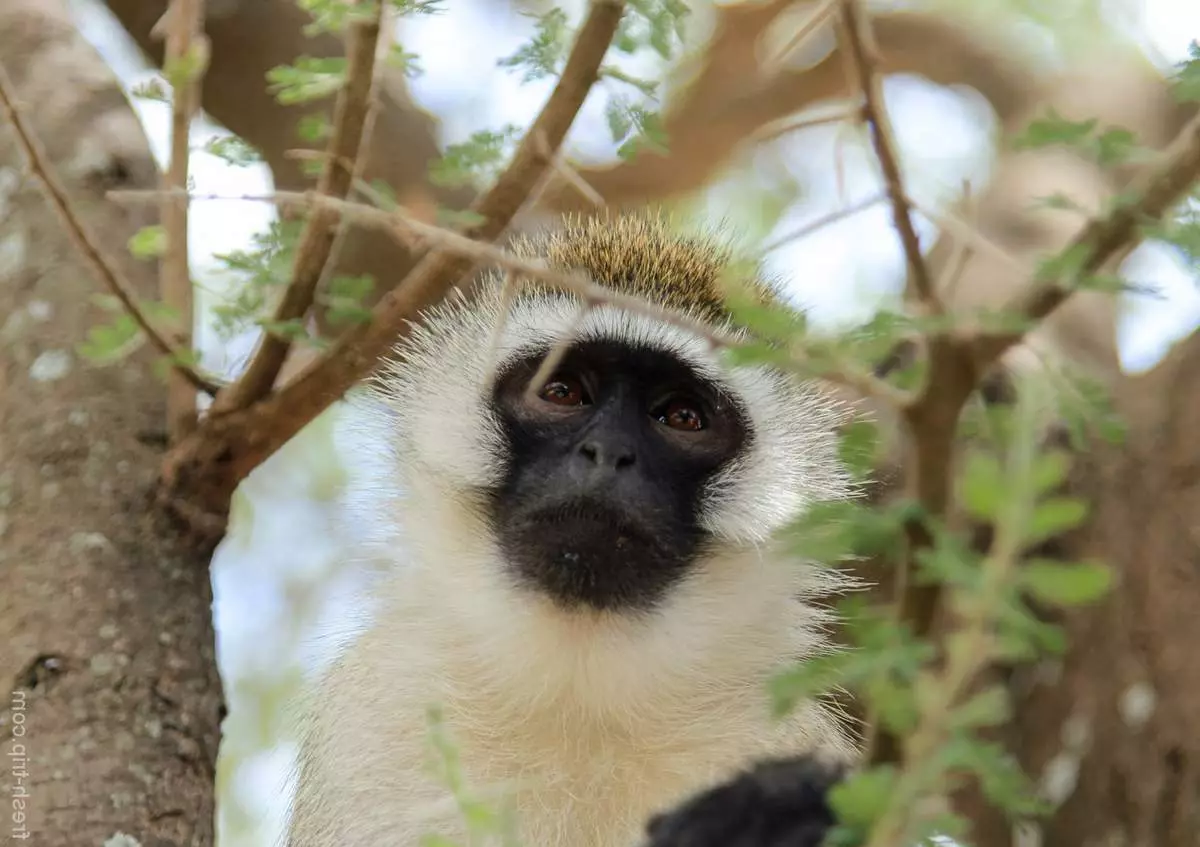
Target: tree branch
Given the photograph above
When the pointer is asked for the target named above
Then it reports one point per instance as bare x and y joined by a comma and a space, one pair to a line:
249, 38
314, 250
955, 365
40, 166
859, 43
186, 58
1159, 187
247, 437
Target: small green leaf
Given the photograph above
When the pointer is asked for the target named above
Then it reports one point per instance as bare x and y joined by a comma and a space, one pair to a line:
1054, 516
149, 242
151, 89
310, 78
111, 342
1050, 470
1066, 584
233, 150
860, 800
544, 54
989, 707
1187, 76
984, 488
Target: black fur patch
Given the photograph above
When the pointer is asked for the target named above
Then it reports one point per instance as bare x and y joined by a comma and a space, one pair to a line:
776, 803
608, 536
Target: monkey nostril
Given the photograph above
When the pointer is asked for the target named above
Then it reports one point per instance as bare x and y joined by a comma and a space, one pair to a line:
619, 457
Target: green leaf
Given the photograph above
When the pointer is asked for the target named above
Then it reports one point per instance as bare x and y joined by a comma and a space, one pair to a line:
149, 242
310, 78
478, 159
407, 63
858, 447
989, 707
233, 150
1050, 470
152, 89
860, 800
183, 70
1054, 129
805, 680
1187, 76
1114, 146
111, 342
984, 487
544, 54
1066, 584
1054, 516
314, 128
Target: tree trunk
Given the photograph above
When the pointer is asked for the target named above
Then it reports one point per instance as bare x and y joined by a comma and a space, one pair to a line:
112, 701
1110, 731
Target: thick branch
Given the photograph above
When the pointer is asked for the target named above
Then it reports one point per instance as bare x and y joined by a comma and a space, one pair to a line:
315, 247
186, 55
40, 166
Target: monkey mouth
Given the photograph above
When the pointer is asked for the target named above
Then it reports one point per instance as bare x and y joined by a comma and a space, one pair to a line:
591, 553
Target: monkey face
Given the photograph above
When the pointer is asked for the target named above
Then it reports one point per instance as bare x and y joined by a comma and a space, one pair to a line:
599, 502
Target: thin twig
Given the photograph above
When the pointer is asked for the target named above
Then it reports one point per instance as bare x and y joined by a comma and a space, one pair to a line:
554, 358
965, 231
314, 250
809, 228
961, 250
805, 30
39, 165
860, 49
1159, 187
184, 62
789, 125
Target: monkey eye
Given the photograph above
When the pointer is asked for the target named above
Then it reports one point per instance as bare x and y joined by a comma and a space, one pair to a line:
682, 413
564, 390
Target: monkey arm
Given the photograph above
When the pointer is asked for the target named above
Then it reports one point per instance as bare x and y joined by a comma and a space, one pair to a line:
775, 803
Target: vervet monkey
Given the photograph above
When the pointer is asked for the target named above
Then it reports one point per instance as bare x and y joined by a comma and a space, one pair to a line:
588, 583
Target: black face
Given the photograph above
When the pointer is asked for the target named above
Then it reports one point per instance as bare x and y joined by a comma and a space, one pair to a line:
598, 505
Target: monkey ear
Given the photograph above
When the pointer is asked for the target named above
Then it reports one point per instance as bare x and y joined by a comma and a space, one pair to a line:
775, 803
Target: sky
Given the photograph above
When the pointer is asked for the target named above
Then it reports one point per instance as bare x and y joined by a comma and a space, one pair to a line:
286, 544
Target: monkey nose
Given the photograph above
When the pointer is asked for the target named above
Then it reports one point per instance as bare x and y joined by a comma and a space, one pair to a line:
608, 454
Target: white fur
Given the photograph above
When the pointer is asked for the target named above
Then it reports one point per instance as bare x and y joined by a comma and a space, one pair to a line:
587, 723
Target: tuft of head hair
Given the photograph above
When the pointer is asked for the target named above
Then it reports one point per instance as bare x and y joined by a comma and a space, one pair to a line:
652, 257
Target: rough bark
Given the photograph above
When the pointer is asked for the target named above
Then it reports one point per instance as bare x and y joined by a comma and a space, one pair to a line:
1111, 730
106, 642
